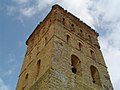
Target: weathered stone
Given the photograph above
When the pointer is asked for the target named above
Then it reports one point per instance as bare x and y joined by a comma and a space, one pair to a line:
58, 45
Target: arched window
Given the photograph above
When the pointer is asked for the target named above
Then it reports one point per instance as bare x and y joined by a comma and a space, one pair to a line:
68, 39
38, 67
26, 77
89, 37
64, 21
72, 27
80, 46
95, 75
81, 31
92, 54
24, 84
76, 65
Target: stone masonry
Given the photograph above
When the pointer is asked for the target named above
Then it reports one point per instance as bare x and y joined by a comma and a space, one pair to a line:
63, 53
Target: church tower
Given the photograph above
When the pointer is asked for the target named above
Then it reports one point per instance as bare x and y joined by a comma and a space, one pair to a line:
63, 53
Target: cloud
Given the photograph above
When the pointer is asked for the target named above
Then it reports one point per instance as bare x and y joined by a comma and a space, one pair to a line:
21, 1
9, 72
103, 15
11, 57
28, 12
3, 86
80, 9
28, 8
109, 23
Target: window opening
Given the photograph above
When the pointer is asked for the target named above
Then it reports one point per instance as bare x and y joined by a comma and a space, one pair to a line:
89, 37
76, 65
92, 54
80, 46
45, 40
72, 25
68, 39
95, 75
38, 68
26, 77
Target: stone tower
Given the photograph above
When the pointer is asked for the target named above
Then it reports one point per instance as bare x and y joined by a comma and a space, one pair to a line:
63, 53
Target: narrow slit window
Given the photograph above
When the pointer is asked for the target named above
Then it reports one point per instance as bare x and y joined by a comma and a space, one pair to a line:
45, 40
72, 27
68, 39
80, 46
26, 77
81, 32
92, 54
38, 68
89, 37
63, 20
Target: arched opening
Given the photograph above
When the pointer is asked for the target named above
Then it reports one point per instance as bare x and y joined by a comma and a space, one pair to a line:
76, 65
80, 46
24, 83
26, 77
81, 31
68, 39
72, 27
89, 37
92, 54
63, 20
38, 67
95, 75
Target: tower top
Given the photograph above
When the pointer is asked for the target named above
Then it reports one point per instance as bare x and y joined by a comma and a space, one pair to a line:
77, 21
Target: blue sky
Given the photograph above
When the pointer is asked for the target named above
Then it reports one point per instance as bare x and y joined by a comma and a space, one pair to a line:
18, 18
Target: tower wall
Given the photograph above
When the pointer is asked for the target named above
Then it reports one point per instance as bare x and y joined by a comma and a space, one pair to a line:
40, 47
63, 54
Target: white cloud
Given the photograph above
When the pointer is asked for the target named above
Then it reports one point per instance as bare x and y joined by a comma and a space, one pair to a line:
21, 1
100, 14
111, 55
80, 9
28, 12
28, 8
9, 72
3, 86
107, 17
